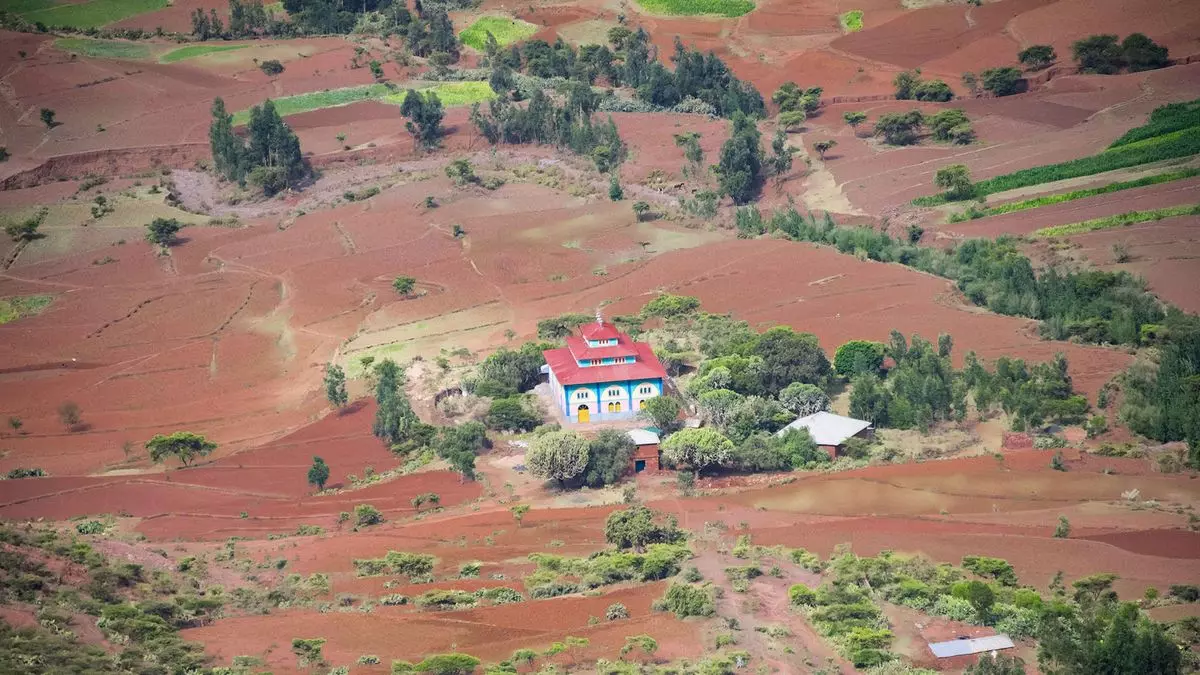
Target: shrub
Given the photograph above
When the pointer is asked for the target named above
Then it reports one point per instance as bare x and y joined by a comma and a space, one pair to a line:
899, 128
1063, 529
955, 180
993, 568
271, 67
445, 599
799, 594
553, 590
447, 664
1142, 53
616, 611
1037, 56
500, 595
1099, 54
511, 414
1002, 81
366, 515
858, 356
684, 600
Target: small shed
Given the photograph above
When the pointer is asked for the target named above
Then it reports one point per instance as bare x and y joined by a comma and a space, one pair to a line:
645, 457
831, 431
969, 646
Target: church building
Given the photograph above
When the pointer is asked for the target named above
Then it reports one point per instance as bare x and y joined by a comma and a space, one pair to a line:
603, 374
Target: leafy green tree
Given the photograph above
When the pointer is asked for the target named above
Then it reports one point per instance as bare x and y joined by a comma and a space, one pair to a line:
906, 84
70, 414
663, 412
790, 357
858, 356
366, 515
404, 285
942, 124
638, 526
697, 449
459, 446
47, 116
781, 155
518, 512
511, 414
424, 113
318, 473
394, 417
933, 90
804, 399
609, 454
692, 152
448, 664
740, 169
182, 444
1063, 529
719, 406
376, 69
899, 128
27, 229
824, 146
163, 231
335, 385
228, 151
955, 180
1099, 54
1037, 57
1142, 53
1103, 635
615, 193
979, 594
308, 651
854, 118
273, 154
869, 399
461, 172
1002, 81
640, 209
560, 456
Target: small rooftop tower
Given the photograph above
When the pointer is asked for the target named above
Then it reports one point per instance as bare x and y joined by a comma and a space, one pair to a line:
599, 317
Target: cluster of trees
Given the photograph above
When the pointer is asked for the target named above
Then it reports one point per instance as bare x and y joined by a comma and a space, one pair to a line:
424, 113
632, 62
568, 126
1089, 305
910, 87
1037, 57
1162, 400
397, 425
1003, 81
905, 128
923, 387
247, 18
271, 160
796, 104
1107, 54
570, 460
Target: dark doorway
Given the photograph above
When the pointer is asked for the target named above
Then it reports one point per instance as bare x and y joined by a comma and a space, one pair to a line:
639, 466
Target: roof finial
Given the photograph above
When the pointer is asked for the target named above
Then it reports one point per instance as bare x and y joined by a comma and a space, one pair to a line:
599, 317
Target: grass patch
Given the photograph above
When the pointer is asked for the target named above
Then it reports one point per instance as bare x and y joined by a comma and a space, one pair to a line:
104, 49
971, 214
505, 30
851, 21
1119, 220
451, 93
725, 8
192, 51
93, 14
22, 306
1164, 120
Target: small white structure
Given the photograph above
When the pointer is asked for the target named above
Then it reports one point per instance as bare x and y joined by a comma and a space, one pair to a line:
969, 646
642, 437
830, 431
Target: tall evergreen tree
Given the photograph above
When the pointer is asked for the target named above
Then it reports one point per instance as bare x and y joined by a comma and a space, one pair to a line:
227, 149
424, 113
740, 168
335, 385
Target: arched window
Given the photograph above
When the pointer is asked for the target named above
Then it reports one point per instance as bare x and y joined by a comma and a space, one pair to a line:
614, 393
582, 395
645, 390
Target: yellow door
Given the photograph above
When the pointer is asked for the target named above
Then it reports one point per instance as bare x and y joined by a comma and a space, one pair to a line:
585, 415
642, 404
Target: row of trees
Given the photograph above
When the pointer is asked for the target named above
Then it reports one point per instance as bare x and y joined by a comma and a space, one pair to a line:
569, 126
1107, 54
247, 18
271, 160
905, 128
1089, 305
923, 388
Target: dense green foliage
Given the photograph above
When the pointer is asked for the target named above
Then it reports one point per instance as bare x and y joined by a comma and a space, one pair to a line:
162, 231
91, 14
506, 372
183, 445
1091, 305
851, 21
512, 413
193, 51
740, 169
858, 356
1037, 57
1004, 81
638, 527
1103, 54
1162, 400
21, 306
415, 566
335, 385
1164, 120
899, 128
103, 49
910, 86
318, 473
684, 600
424, 113
271, 160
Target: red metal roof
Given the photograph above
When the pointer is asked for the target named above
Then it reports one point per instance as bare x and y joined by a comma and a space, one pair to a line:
599, 331
582, 352
646, 367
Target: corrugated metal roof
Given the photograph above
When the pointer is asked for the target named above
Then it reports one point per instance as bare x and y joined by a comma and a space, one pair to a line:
642, 436
970, 646
827, 428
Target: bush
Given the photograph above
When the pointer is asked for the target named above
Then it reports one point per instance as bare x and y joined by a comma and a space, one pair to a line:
511, 414
1099, 54
1037, 56
446, 599
684, 600
366, 515
993, 568
447, 664
799, 594
1142, 53
616, 611
271, 67
1002, 81
858, 356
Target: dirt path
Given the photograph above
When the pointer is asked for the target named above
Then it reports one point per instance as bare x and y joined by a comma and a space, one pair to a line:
821, 190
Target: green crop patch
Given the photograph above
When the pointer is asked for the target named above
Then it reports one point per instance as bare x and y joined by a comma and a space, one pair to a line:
193, 51
1119, 220
452, 94
1164, 120
505, 30
21, 306
725, 8
973, 212
90, 14
104, 49
851, 21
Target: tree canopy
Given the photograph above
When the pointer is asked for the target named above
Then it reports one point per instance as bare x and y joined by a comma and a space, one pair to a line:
184, 445
697, 449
